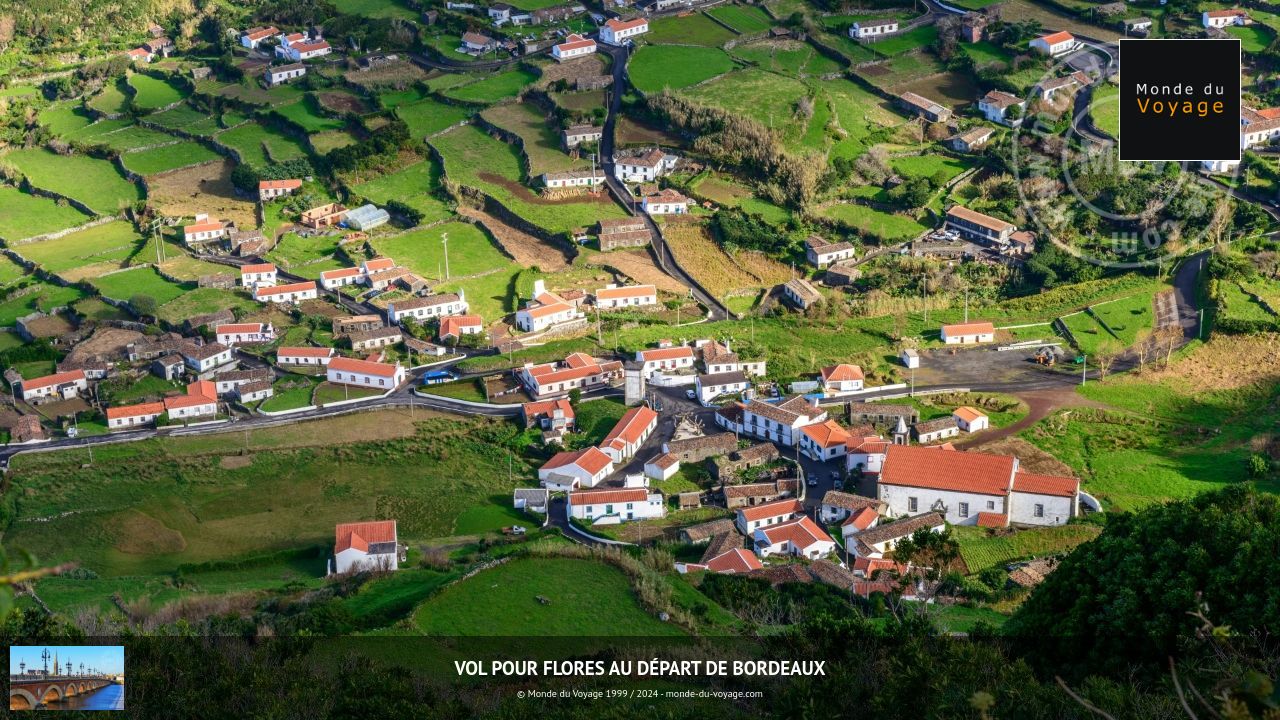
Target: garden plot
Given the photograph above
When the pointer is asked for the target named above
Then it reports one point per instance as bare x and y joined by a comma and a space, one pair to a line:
130, 137
672, 67
746, 19
377, 9
430, 116
306, 115
471, 252
24, 216
1026, 10
722, 274
581, 102
697, 29
493, 88
307, 256
541, 141
84, 253
111, 100
143, 280
326, 142
187, 119
167, 157
151, 93
202, 189
259, 145
96, 183
416, 185
726, 192
949, 88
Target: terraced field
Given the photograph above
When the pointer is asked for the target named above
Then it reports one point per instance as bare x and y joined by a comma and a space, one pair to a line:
96, 183
24, 216
84, 253
672, 67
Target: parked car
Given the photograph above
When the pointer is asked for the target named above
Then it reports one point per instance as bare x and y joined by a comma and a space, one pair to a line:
691, 394
813, 481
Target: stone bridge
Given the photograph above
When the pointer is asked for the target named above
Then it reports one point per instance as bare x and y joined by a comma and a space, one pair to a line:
30, 693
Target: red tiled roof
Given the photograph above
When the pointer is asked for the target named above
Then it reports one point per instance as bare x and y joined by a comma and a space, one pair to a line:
826, 434
304, 352
664, 460
575, 42
927, 467
259, 33
593, 460
968, 414
124, 411
869, 566
379, 263
672, 353
632, 425
1058, 37
982, 219
279, 184
626, 291
552, 309
341, 273
239, 328
364, 367
545, 407
453, 324
359, 535
54, 379
992, 520
801, 532
841, 373
773, 509
309, 47
203, 227
617, 25
861, 519
734, 561
285, 289
601, 497
973, 328
258, 268
1026, 482
1226, 13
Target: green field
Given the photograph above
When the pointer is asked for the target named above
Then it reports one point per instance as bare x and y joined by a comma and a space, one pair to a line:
859, 113
306, 115
415, 185
1253, 38
1104, 108
789, 57
724, 191
981, 549
878, 224
392, 99
920, 37
655, 67
773, 103
24, 216
689, 30
45, 299
152, 93
110, 245
260, 145
65, 118
1127, 318
167, 157
200, 301
312, 253
541, 140
928, 165
430, 116
376, 9
96, 183
186, 118
111, 100
131, 137
470, 250
497, 87
143, 280
745, 19
504, 602
324, 142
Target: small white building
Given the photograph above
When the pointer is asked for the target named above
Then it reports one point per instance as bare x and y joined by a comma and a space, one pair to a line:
995, 107
664, 359
662, 466
968, 333
971, 419
824, 441
334, 279
272, 189
421, 308
646, 167
934, 430
614, 297
864, 455
200, 401
620, 32
574, 46
576, 469
1224, 18
801, 293
665, 202
201, 359
127, 416
232, 334
611, 506
280, 74
304, 356
749, 519
254, 391
872, 29
63, 385
910, 358
291, 293
364, 373
539, 317
206, 230
573, 178
254, 36
821, 253
1055, 44
841, 378
800, 537
457, 326
258, 275
710, 387
366, 547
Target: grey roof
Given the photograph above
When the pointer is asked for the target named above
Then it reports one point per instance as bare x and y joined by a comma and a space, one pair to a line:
726, 441
366, 214
703, 531
421, 302
932, 426
375, 333
899, 529
532, 496
735, 377
848, 501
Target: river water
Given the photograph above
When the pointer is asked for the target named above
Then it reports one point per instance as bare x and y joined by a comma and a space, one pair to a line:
110, 697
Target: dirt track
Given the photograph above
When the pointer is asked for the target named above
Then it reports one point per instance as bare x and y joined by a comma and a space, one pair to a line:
527, 250
1041, 404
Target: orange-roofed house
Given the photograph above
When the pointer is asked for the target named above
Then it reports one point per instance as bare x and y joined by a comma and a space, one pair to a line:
291, 293
961, 485
756, 516
231, 334
864, 451
201, 400
614, 297
58, 386
1055, 44
539, 316
334, 279
206, 230
971, 419
800, 537
272, 189
549, 414
619, 32
127, 416
364, 373
323, 216
736, 560
662, 466
823, 441
636, 425
654, 360
573, 46
253, 36
571, 470
456, 326
841, 378
838, 506
968, 333
610, 506
1224, 18
256, 275
365, 546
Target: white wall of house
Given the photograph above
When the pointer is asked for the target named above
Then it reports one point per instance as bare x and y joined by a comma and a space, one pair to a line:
365, 379
131, 421
355, 560
653, 507
1033, 509
961, 508
869, 462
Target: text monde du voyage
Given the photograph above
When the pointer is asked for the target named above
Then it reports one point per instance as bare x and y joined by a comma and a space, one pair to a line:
1181, 99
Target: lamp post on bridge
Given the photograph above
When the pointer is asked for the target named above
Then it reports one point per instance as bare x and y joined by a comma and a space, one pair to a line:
45, 657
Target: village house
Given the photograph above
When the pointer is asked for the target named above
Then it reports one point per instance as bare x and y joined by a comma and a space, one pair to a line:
366, 547
756, 494
821, 253
842, 378
800, 537
841, 276
365, 373
534, 500
880, 413
824, 441
801, 293
375, 338
665, 202
383, 279
619, 32
298, 47
614, 297
995, 107
629, 434
225, 383
254, 391
455, 327
549, 415
909, 357
545, 310
272, 189
962, 486
243, 333
732, 561
499, 13
839, 506
201, 400
304, 356
1257, 127
291, 293
572, 470
127, 416
334, 279
611, 506
873, 29
696, 449
573, 178
1224, 18
201, 359
576, 135
645, 167
579, 371
664, 359
1138, 26
968, 333
58, 386
258, 275
718, 357
205, 230
977, 226
474, 43
421, 308
662, 466
924, 107
971, 139
169, 367
780, 422
864, 451
875, 541
749, 519
708, 387
140, 55
574, 46
623, 232
280, 74
1055, 44
322, 216
252, 37
354, 323
971, 419
1048, 89
935, 430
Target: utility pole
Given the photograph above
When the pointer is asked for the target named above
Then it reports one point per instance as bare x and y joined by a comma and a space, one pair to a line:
1084, 369
1200, 326
444, 240
966, 305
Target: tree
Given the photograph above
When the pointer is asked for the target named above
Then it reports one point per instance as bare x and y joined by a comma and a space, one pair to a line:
6, 31
929, 556
143, 304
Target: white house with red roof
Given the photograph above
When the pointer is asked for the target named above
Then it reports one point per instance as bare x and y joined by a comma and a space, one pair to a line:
824, 441
800, 537
1055, 43
574, 46
140, 54
664, 359
243, 333
841, 378
780, 422
578, 371
555, 414
881, 538
619, 32
636, 425
969, 333
736, 560
662, 466
291, 293
645, 167
749, 519
962, 486
127, 416
201, 400
206, 230
60, 386
609, 506
456, 326
545, 310
272, 189
614, 297
365, 546
838, 506
1224, 18
334, 279
864, 452
665, 202
303, 356
571, 470
256, 275
300, 46
253, 36
971, 419
364, 373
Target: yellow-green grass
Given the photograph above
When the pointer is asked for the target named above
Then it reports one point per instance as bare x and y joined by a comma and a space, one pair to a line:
306, 115
858, 113
10, 271
296, 252
415, 185
1129, 317
689, 30
378, 9
505, 601
541, 140
473, 158
491, 89
1253, 38
430, 116
125, 284
24, 216
920, 37
790, 57
773, 101
94, 182
724, 191
1104, 108
325, 142
167, 157
471, 252
259, 145
905, 68
45, 299
672, 67
206, 300
890, 227
106, 246
928, 165
746, 19
129, 138
65, 118
19, 91
153, 93
111, 100
186, 118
